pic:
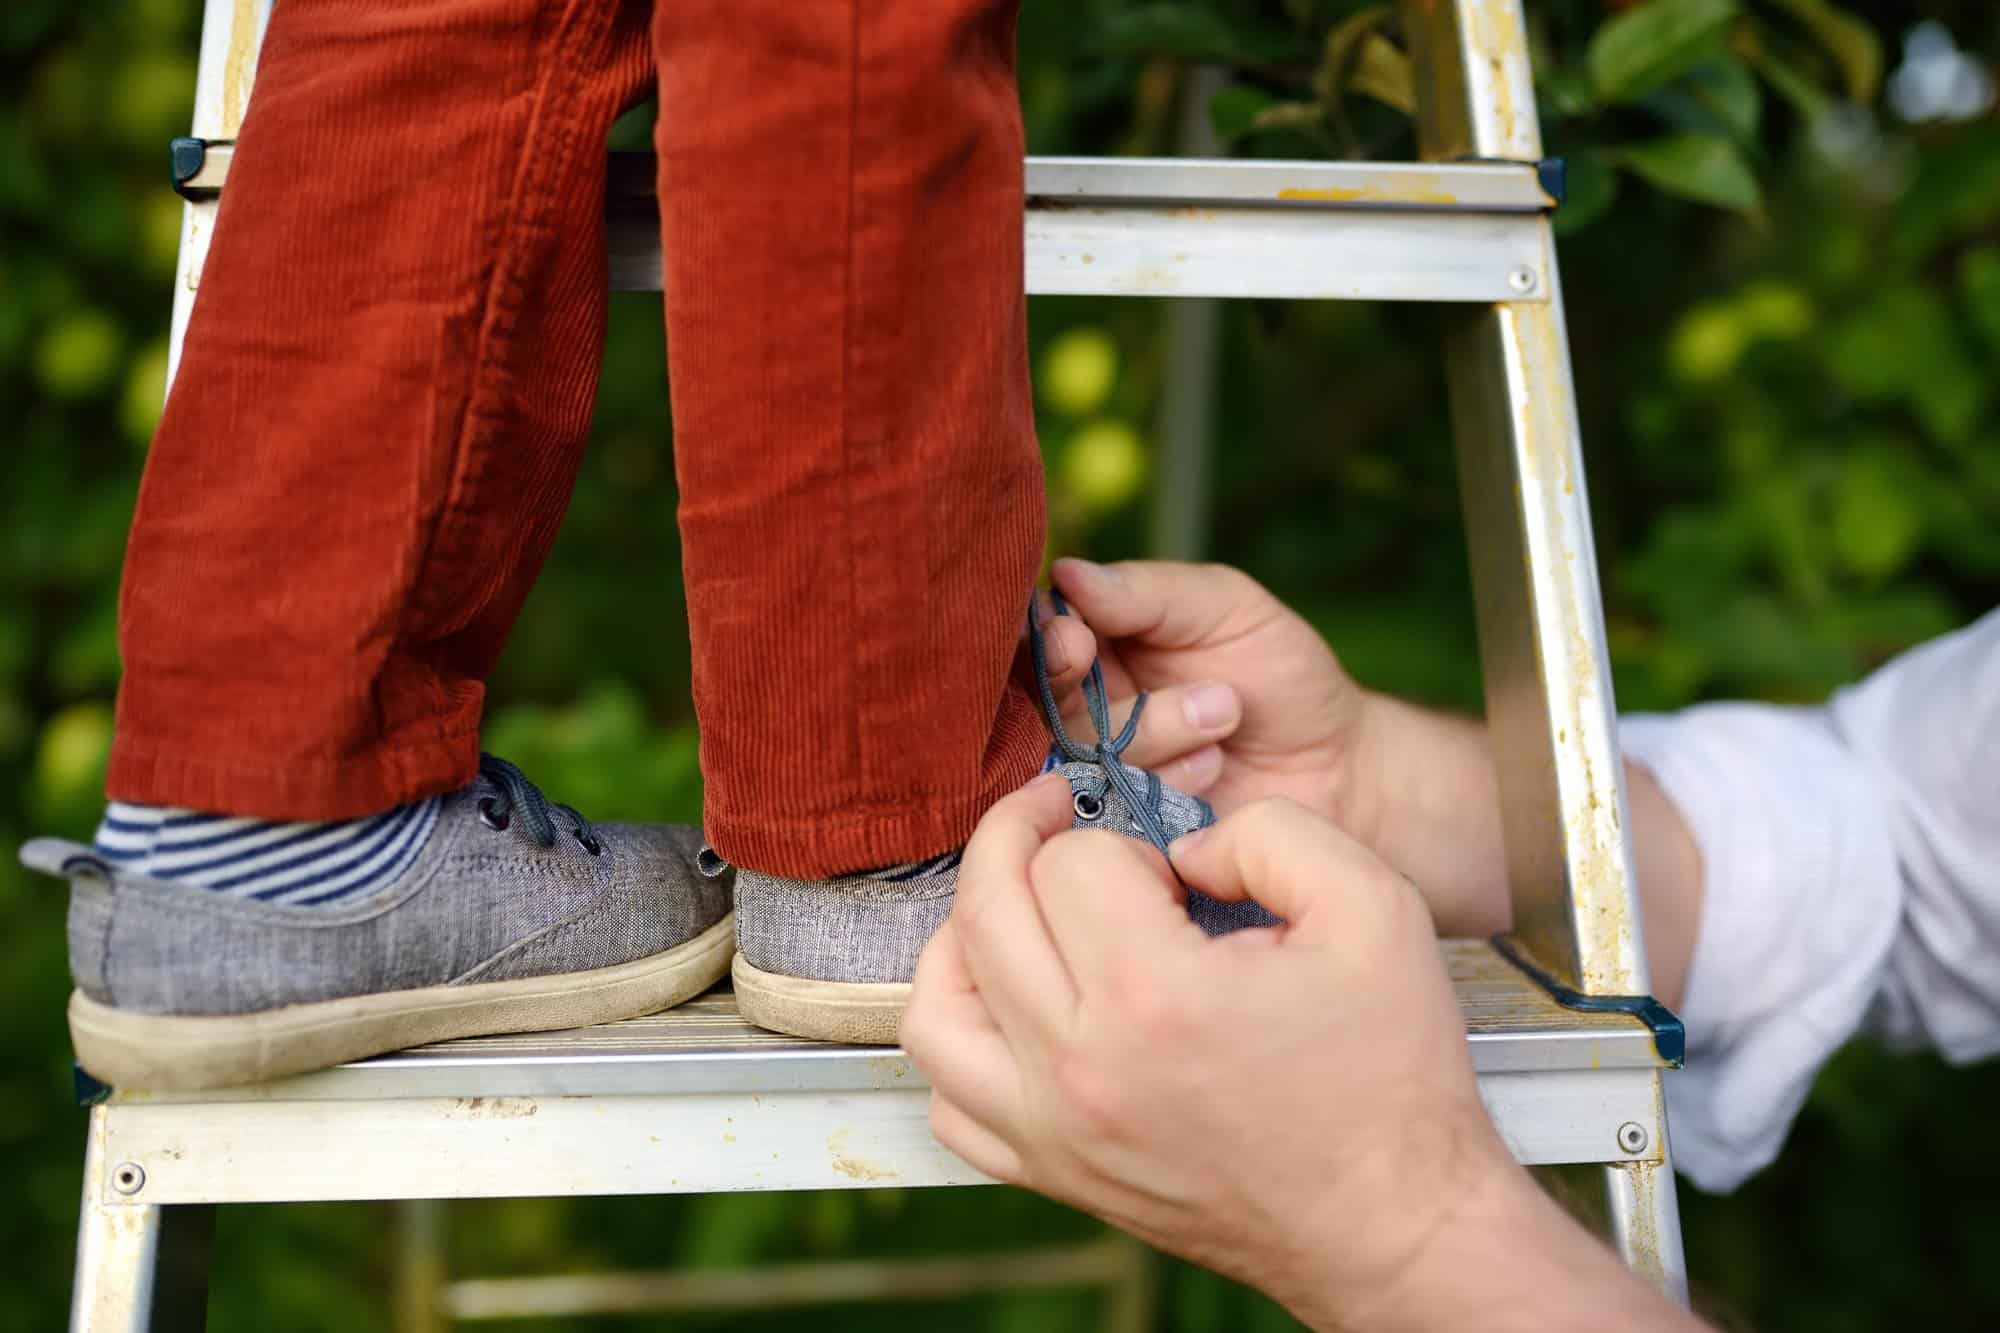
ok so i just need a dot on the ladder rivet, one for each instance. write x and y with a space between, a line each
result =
128 1177
1521 279
1632 1137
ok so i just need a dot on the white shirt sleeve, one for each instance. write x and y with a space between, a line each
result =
1851 863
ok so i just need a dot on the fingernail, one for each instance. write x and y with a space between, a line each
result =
1058 656
1187 841
1197 770
1209 707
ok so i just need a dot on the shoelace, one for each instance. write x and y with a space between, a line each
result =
520 796
1105 753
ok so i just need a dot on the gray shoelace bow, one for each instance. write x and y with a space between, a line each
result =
1105 753
519 796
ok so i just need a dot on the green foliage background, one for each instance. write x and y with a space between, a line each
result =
1784 315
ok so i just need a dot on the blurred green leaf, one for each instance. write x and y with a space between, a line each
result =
1902 346
1726 89
1654 43
69 766
1851 42
145 392
1382 71
1707 343
1103 465
1589 190
1783 72
1234 110
1078 371
1702 167
1979 288
1343 44
1878 516
1196 32
78 354
1307 117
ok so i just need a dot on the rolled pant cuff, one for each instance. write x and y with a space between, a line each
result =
347 787
912 830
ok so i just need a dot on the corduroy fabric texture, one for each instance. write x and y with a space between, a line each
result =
479 904
388 378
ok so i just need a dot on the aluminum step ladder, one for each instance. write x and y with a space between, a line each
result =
1568 1048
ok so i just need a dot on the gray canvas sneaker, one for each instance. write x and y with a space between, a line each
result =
517 916
833 959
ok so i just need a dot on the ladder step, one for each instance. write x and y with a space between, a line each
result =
698 1100
1367 231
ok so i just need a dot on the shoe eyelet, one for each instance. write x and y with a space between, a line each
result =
493 817
590 844
1087 806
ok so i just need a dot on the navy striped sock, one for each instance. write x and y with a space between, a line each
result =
295 864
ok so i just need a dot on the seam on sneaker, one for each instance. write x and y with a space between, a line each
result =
552 933
104 952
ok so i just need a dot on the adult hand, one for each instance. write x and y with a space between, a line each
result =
1293 1107
1249 702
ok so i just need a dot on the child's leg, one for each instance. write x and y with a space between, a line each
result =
861 510
380 407
384 391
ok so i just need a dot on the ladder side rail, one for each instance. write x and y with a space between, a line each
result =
1549 705
1541 620
232 33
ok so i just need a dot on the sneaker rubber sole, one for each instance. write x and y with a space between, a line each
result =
852 1012
174 1052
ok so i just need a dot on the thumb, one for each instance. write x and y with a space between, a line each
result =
1014 829
1162 603
1299 866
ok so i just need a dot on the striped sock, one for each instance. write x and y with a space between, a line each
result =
296 864
910 870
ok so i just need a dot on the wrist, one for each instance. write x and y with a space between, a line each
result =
1358 767
1402 1263
1418 789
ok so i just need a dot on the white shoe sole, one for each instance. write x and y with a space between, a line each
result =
170 1052
854 1012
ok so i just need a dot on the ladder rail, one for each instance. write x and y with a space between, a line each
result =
1549 705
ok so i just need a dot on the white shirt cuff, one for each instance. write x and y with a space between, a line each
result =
1801 905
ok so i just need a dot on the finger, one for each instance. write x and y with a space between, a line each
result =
951 1035
1162 603
1110 900
1177 721
1070 647
982 1149
1191 773
1005 945
1294 863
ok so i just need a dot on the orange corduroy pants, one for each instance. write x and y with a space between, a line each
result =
388 378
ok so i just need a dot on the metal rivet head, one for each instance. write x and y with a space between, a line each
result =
1632 1137
1087 806
128 1177
491 815
1521 279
